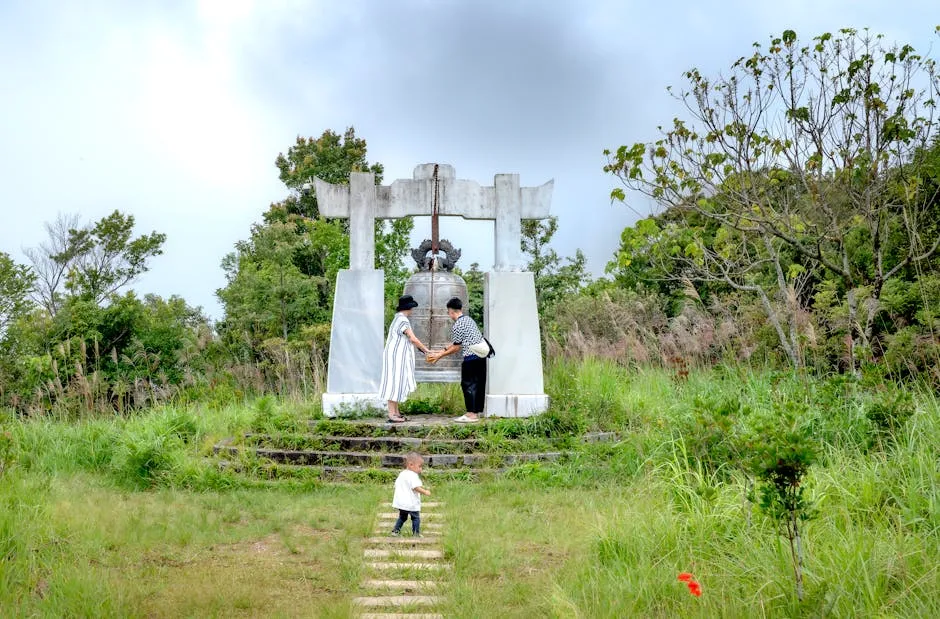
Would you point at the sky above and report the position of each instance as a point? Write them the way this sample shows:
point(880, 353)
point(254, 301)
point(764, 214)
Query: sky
point(174, 112)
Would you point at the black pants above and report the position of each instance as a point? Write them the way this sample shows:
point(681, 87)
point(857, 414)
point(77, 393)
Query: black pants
point(415, 521)
point(473, 383)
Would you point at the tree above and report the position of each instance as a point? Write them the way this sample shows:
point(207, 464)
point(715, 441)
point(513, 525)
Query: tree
point(474, 278)
point(553, 280)
point(16, 282)
point(51, 272)
point(281, 280)
point(805, 153)
point(267, 293)
point(92, 262)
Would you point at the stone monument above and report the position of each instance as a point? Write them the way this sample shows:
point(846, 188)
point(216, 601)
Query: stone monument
point(515, 386)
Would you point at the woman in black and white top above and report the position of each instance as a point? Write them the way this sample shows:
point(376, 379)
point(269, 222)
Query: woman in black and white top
point(473, 346)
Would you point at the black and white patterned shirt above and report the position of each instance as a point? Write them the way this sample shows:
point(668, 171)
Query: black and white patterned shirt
point(466, 333)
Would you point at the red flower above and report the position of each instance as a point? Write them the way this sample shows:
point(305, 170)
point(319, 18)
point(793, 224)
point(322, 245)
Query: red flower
point(695, 589)
point(686, 577)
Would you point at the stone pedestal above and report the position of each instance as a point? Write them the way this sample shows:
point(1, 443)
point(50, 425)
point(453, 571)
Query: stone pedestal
point(357, 339)
point(514, 382)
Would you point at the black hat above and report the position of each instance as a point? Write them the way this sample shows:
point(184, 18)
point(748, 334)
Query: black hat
point(406, 303)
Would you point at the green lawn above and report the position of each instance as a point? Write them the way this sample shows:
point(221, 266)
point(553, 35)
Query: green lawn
point(118, 518)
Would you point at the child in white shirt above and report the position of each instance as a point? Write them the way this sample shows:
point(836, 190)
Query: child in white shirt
point(407, 498)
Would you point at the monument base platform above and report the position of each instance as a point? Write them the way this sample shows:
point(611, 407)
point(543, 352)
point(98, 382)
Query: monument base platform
point(515, 405)
point(335, 404)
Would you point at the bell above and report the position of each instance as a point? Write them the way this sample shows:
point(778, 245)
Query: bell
point(432, 286)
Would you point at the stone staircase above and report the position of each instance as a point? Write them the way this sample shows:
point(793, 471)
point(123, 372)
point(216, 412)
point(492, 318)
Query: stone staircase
point(405, 576)
point(374, 449)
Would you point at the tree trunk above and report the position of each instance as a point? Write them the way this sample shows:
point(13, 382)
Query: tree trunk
point(789, 298)
point(796, 553)
point(852, 303)
point(781, 335)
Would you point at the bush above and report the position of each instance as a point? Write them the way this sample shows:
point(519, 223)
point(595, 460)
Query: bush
point(710, 434)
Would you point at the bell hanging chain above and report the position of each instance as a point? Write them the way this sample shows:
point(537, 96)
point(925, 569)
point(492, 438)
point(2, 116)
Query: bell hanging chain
point(434, 226)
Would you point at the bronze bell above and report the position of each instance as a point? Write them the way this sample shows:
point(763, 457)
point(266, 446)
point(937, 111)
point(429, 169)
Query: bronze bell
point(432, 286)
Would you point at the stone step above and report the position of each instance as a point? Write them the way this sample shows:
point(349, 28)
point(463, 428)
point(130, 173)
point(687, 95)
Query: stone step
point(390, 460)
point(362, 443)
point(401, 616)
point(404, 541)
point(433, 537)
point(432, 517)
point(398, 600)
point(434, 524)
point(417, 425)
point(398, 565)
point(383, 553)
point(356, 473)
point(402, 585)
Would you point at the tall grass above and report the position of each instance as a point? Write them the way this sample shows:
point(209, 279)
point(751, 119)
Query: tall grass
point(108, 517)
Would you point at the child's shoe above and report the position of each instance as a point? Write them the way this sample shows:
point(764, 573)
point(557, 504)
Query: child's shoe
point(395, 534)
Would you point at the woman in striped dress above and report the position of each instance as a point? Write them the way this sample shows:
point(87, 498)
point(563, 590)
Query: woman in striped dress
point(398, 360)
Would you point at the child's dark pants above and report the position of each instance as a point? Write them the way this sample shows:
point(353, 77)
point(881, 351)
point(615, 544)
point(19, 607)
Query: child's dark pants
point(415, 521)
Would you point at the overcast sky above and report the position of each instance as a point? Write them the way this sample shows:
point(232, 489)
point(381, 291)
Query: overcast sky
point(175, 111)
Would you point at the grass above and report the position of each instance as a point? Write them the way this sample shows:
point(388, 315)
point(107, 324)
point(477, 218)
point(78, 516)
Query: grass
point(127, 516)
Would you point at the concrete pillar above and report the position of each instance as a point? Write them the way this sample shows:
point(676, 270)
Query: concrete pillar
point(508, 239)
point(361, 221)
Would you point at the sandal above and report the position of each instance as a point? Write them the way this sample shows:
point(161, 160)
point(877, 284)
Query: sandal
point(399, 420)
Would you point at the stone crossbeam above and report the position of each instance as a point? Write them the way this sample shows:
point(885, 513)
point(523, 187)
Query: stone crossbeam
point(362, 202)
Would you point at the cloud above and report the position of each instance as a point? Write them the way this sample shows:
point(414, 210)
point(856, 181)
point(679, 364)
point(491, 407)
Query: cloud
point(174, 112)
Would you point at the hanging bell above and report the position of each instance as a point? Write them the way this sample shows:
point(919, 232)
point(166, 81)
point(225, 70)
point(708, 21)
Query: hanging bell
point(432, 286)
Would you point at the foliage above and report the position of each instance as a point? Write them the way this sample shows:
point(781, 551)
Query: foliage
point(128, 354)
point(804, 160)
point(474, 278)
point(92, 261)
point(280, 282)
point(781, 451)
point(554, 281)
point(16, 281)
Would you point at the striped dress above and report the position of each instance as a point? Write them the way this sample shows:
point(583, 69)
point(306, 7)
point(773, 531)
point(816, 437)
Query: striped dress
point(398, 362)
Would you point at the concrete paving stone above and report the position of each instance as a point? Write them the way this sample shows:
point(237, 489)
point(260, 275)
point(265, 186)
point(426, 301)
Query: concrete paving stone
point(396, 565)
point(383, 553)
point(398, 600)
point(402, 585)
point(404, 541)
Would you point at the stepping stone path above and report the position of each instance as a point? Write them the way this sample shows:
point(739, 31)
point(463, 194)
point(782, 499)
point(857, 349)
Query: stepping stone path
point(406, 574)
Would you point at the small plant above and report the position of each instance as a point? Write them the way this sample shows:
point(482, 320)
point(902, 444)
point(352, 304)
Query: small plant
point(7, 451)
point(888, 414)
point(781, 451)
point(144, 461)
point(419, 407)
point(710, 434)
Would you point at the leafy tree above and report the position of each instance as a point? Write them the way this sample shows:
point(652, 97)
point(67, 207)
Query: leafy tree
point(93, 261)
point(267, 293)
point(126, 354)
point(553, 279)
point(281, 280)
point(803, 155)
point(50, 271)
point(781, 450)
point(16, 281)
point(475, 288)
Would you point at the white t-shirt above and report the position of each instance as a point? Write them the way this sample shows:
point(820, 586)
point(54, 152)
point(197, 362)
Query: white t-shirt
point(405, 496)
